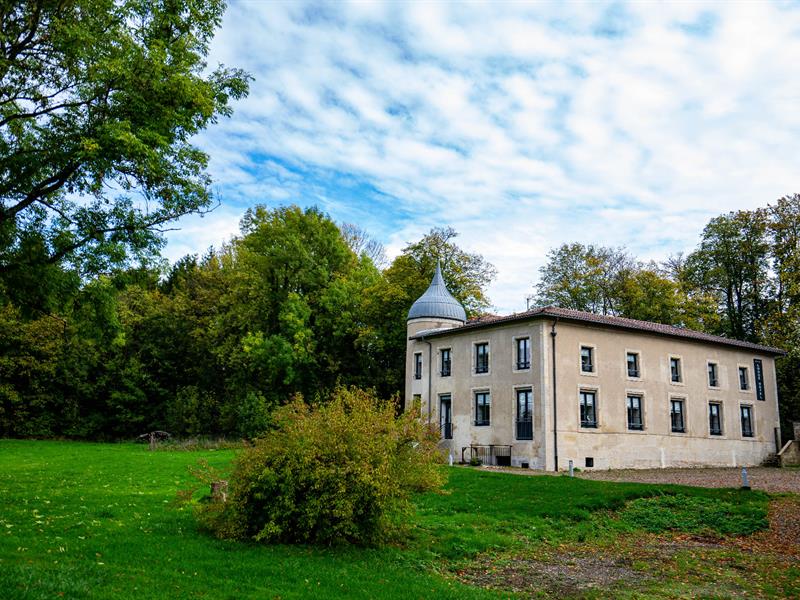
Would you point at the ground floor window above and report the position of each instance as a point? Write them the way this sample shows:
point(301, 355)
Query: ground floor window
point(635, 419)
point(676, 416)
point(588, 408)
point(524, 414)
point(747, 421)
point(446, 416)
point(482, 408)
point(715, 418)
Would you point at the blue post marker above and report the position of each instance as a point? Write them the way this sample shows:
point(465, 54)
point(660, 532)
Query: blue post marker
point(745, 480)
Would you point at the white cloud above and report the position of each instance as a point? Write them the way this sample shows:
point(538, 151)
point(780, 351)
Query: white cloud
point(523, 125)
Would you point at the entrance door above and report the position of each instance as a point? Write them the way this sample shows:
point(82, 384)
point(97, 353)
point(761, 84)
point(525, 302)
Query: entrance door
point(446, 416)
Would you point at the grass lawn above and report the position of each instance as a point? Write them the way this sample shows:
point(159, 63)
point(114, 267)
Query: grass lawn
point(81, 520)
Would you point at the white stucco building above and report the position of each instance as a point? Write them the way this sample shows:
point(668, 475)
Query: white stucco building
point(543, 387)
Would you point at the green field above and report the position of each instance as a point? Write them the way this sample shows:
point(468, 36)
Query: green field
point(80, 520)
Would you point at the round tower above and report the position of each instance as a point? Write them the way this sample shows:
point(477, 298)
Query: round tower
point(435, 309)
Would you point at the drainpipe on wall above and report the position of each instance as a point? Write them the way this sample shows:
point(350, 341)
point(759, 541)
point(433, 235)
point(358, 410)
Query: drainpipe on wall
point(555, 397)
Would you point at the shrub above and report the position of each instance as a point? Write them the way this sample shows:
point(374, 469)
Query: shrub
point(475, 461)
point(341, 471)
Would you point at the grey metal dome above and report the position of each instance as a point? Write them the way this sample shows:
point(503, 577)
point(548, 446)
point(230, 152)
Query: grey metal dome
point(437, 302)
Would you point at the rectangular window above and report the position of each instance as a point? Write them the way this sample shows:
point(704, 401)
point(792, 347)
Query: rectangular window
point(676, 416)
point(675, 369)
point(633, 364)
point(482, 358)
point(758, 371)
point(744, 380)
point(588, 409)
point(587, 359)
point(418, 365)
point(747, 421)
point(715, 419)
point(524, 414)
point(523, 353)
point(482, 408)
point(713, 379)
point(446, 416)
point(635, 420)
point(446, 362)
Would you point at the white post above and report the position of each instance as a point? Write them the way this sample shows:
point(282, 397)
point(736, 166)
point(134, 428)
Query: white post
point(745, 480)
point(450, 458)
point(571, 470)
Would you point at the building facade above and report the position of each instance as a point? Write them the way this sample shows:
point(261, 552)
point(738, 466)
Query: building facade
point(543, 387)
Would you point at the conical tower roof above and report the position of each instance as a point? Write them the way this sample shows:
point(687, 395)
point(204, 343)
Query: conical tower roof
point(437, 302)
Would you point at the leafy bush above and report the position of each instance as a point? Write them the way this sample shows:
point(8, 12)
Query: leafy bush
point(475, 461)
point(695, 515)
point(341, 471)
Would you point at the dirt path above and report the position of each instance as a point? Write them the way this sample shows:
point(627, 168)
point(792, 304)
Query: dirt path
point(767, 479)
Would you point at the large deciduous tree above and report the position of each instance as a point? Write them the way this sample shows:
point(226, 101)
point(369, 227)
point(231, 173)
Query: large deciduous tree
point(99, 100)
point(584, 278)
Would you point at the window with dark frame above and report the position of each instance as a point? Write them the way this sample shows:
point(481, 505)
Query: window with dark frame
point(676, 416)
point(482, 358)
point(758, 373)
point(715, 418)
point(744, 380)
point(587, 359)
point(635, 420)
point(418, 365)
point(446, 362)
point(446, 416)
point(588, 409)
point(675, 369)
point(523, 353)
point(482, 408)
point(713, 376)
point(633, 364)
point(747, 421)
point(525, 414)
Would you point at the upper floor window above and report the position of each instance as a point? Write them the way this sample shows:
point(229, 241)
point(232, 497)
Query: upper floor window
point(635, 420)
point(675, 369)
point(588, 408)
point(676, 416)
point(747, 421)
point(587, 359)
point(482, 408)
point(758, 372)
point(482, 358)
point(715, 418)
point(446, 362)
point(523, 353)
point(633, 364)
point(525, 414)
point(744, 380)
point(418, 365)
point(713, 375)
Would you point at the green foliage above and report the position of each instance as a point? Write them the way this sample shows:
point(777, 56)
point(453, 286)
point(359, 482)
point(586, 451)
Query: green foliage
point(98, 103)
point(696, 515)
point(583, 277)
point(343, 471)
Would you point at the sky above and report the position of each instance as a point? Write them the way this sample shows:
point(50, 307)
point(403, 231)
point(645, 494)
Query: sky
point(521, 125)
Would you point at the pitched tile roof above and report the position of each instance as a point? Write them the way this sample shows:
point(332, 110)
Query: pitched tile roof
point(577, 316)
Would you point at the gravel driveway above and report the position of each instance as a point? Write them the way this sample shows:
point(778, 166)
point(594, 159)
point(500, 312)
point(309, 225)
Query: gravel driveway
point(769, 479)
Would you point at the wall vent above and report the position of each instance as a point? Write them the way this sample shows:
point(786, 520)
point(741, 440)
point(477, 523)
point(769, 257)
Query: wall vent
point(590, 461)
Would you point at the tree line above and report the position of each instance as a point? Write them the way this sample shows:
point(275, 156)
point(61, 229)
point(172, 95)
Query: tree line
point(213, 344)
